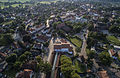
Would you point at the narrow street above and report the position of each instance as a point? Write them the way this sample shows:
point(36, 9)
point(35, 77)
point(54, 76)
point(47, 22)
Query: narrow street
point(48, 58)
point(50, 50)
point(84, 45)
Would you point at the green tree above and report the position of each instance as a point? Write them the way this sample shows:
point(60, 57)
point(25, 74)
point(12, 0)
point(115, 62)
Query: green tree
point(28, 54)
point(12, 58)
point(90, 54)
point(27, 38)
point(17, 65)
point(114, 29)
point(67, 68)
point(105, 58)
point(6, 39)
point(119, 58)
point(74, 75)
point(55, 24)
point(22, 58)
point(90, 27)
point(39, 59)
point(21, 28)
point(47, 68)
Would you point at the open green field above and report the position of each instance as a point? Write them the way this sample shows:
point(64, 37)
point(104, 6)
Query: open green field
point(15, 5)
point(76, 41)
point(45, 2)
point(48, 2)
point(14, 0)
point(113, 40)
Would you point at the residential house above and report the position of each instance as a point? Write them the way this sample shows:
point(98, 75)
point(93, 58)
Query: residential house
point(102, 74)
point(42, 38)
point(63, 27)
point(101, 26)
point(80, 19)
point(35, 29)
point(27, 73)
point(112, 53)
point(63, 48)
point(38, 46)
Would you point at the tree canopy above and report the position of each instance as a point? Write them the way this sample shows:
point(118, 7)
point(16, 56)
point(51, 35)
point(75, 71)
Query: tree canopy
point(12, 58)
point(105, 58)
point(6, 39)
point(67, 68)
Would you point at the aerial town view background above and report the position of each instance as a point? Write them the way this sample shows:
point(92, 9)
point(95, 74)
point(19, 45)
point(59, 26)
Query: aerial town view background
point(59, 38)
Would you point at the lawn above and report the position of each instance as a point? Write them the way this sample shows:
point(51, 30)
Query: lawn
point(45, 2)
point(80, 67)
point(77, 42)
point(113, 40)
point(15, 5)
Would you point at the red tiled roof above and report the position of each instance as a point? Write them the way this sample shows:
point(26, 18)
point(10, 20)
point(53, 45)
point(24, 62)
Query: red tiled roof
point(57, 46)
point(42, 37)
point(63, 41)
point(112, 52)
point(27, 73)
point(63, 46)
point(103, 74)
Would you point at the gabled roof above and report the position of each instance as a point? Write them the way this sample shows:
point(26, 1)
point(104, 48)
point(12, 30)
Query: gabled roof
point(42, 37)
point(103, 74)
point(62, 46)
point(60, 25)
point(63, 41)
